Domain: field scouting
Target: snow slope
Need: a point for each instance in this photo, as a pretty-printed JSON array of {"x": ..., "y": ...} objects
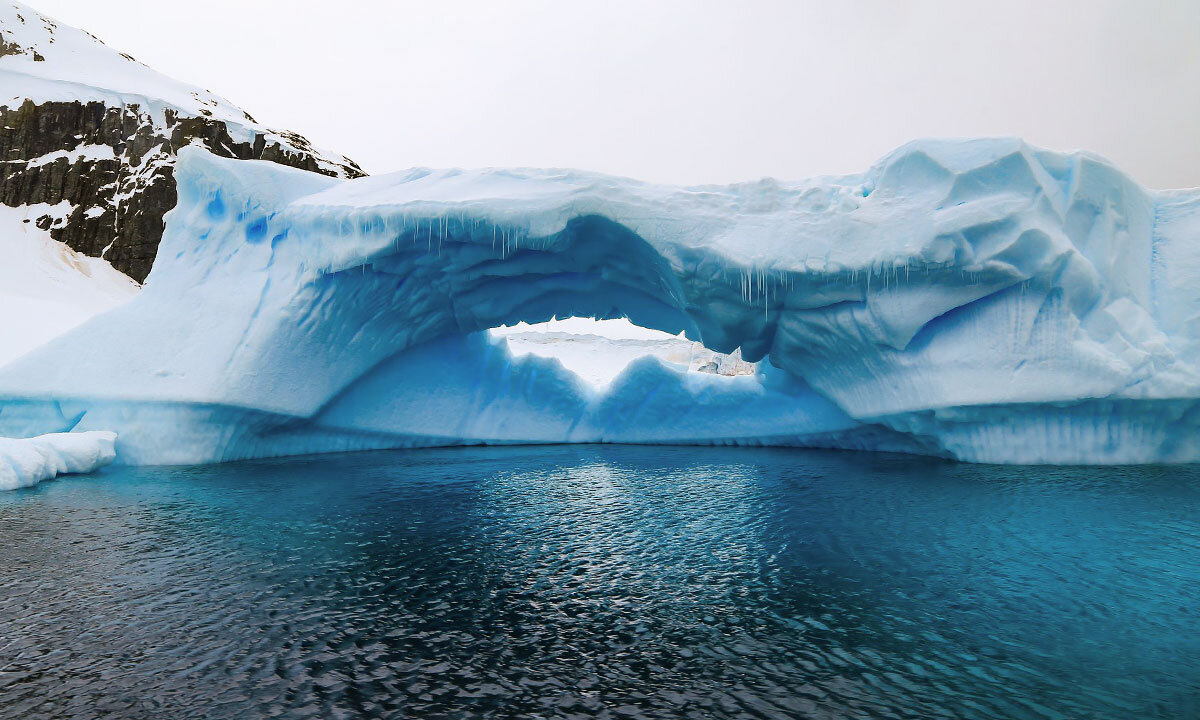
[
  {"x": 27, "y": 462},
  {"x": 45, "y": 287},
  {"x": 981, "y": 299},
  {"x": 46, "y": 61}
]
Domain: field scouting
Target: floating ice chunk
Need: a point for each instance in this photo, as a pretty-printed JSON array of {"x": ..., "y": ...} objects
[{"x": 25, "y": 462}]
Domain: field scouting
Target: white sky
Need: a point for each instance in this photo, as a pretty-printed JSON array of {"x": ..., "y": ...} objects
[{"x": 684, "y": 91}]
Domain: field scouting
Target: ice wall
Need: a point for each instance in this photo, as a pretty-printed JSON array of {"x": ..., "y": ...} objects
[{"x": 983, "y": 300}]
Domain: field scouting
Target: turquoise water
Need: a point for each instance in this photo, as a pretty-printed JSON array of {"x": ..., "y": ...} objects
[{"x": 603, "y": 581}]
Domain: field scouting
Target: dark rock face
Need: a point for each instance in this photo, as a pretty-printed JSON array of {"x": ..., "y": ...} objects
[{"x": 60, "y": 151}]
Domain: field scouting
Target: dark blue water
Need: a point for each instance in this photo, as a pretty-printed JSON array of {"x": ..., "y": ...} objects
[{"x": 603, "y": 582}]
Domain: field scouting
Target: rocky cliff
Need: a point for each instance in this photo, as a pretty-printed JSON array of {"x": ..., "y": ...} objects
[{"x": 88, "y": 138}]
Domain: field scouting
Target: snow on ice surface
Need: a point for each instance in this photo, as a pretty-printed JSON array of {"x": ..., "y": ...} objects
[
  {"x": 25, "y": 462},
  {"x": 980, "y": 299},
  {"x": 46, "y": 288}
]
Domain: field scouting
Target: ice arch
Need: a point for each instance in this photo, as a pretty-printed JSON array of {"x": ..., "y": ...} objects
[{"x": 981, "y": 299}]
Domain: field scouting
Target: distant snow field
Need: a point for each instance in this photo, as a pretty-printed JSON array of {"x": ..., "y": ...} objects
[{"x": 599, "y": 350}]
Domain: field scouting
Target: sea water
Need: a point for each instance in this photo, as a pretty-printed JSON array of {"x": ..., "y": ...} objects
[{"x": 603, "y": 581}]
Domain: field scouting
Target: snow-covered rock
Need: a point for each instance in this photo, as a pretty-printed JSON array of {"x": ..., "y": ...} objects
[
  {"x": 25, "y": 462},
  {"x": 982, "y": 300},
  {"x": 85, "y": 125}
]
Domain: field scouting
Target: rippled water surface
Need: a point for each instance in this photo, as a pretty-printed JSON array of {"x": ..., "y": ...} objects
[{"x": 603, "y": 582}]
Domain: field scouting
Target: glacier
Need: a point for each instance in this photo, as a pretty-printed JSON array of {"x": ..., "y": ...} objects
[
  {"x": 981, "y": 300},
  {"x": 25, "y": 462}
]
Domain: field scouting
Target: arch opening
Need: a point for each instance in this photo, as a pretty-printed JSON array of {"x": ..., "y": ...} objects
[{"x": 599, "y": 351}]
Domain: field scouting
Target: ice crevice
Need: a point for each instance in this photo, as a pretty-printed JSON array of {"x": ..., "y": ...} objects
[{"x": 982, "y": 300}]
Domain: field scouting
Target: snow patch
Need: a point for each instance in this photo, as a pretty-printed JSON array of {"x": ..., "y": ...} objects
[
  {"x": 46, "y": 288},
  {"x": 83, "y": 152}
]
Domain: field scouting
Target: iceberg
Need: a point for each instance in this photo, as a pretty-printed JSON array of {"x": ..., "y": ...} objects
[
  {"x": 28, "y": 461},
  {"x": 980, "y": 300}
]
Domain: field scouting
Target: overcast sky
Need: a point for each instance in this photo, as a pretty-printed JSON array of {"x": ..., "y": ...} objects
[{"x": 684, "y": 91}]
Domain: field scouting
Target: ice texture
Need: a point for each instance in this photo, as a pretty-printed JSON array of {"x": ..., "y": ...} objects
[
  {"x": 983, "y": 300},
  {"x": 25, "y": 462}
]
